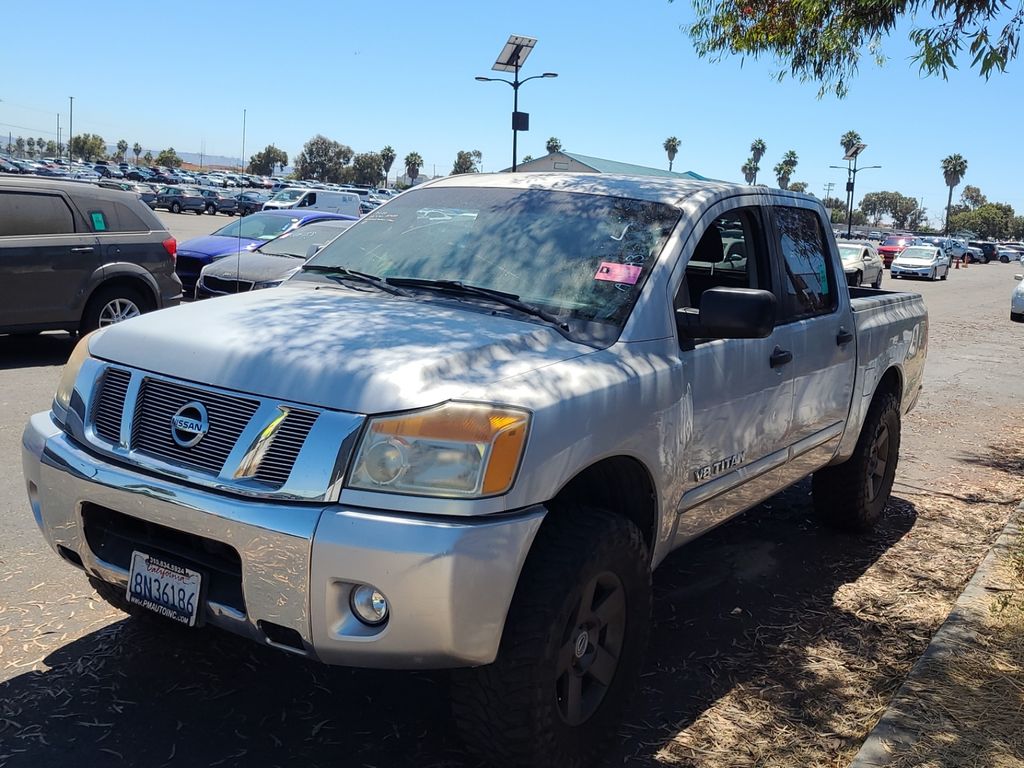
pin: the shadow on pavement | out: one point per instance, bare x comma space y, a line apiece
144, 692
35, 350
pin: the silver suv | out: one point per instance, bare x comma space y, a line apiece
75, 257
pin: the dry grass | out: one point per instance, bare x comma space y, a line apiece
815, 682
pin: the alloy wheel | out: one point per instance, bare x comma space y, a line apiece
118, 310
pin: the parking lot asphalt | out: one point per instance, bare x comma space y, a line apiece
81, 683
185, 226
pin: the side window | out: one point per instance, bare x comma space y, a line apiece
730, 253
25, 213
808, 286
310, 199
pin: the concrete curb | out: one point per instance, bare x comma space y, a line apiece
897, 731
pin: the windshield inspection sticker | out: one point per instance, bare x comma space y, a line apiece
618, 273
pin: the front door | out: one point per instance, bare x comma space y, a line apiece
740, 390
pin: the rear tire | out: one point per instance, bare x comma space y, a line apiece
853, 495
878, 280
211, 210
572, 648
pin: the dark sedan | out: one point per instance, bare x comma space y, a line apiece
219, 201
144, 191
250, 202
139, 174
178, 199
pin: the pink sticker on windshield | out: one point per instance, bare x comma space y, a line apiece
618, 273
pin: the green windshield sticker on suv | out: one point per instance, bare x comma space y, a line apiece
99, 221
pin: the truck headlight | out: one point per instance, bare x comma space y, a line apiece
459, 450
71, 368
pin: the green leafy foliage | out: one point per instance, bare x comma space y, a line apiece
991, 220
266, 160
387, 159
823, 41
323, 159
467, 162
671, 146
122, 148
168, 157
136, 150
88, 146
553, 145
413, 162
367, 169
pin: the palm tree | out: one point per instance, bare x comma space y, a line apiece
413, 163
749, 170
953, 169
137, 150
122, 149
849, 140
387, 159
671, 147
757, 150
784, 170
31, 144
553, 145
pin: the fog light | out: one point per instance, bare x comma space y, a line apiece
369, 605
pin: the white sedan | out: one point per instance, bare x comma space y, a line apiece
1017, 300
861, 263
921, 261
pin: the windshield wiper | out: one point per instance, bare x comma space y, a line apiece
501, 297
343, 273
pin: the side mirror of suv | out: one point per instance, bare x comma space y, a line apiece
729, 313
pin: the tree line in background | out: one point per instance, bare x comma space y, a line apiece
88, 147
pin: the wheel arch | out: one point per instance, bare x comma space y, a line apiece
621, 484
127, 275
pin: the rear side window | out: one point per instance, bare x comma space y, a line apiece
106, 216
808, 287
30, 213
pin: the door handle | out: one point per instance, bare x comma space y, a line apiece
82, 249
843, 337
780, 356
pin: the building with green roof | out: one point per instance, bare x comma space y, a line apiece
572, 162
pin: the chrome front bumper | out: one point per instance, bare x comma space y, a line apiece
448, 582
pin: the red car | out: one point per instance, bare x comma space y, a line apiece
892, 246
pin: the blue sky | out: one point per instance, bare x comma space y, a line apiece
401, 73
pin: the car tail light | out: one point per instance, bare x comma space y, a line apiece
171, 246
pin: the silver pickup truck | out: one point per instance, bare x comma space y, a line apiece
467, 431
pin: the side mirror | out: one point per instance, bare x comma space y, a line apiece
1018, 277
729, 313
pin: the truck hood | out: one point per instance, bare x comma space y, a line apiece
362, 352
216, 245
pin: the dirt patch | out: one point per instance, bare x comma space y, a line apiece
807, 686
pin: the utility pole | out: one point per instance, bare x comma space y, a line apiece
71, 129
243, 142
828, 189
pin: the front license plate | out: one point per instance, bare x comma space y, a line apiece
166, 588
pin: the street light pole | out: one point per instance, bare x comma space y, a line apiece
510, 60
71, 129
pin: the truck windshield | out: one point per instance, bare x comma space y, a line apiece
578, 256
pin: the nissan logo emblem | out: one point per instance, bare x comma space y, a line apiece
189, 424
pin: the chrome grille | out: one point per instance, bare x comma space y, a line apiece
222, 285
276, 465
159, 400
110, 404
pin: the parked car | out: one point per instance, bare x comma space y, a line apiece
987, 250
76, 257
139, 174
467, 443
240, 235
952, 247
861, 263
1008, 253
178, 199
893, 245
250, 202
6, 166
269, 264
921, 261
1017, 300
109, 171
219, 201
145, 192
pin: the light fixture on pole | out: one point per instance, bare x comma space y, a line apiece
511, 58
851, 179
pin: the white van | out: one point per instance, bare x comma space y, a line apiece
317, 199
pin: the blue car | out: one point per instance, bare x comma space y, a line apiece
244, 234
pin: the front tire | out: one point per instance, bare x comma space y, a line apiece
878, 280
934, 275
572, 648
175, 207
211, 210
853, 495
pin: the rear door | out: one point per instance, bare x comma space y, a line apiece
741, 390
816, 327
121, 232
46, 259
